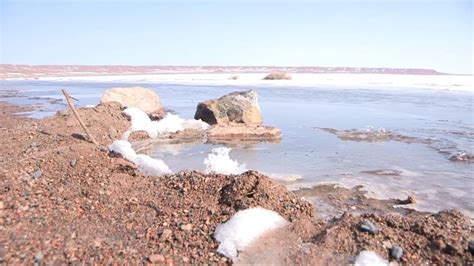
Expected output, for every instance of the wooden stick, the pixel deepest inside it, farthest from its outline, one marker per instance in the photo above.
(76, 114)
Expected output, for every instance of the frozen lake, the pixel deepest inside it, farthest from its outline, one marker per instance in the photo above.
(440, 121)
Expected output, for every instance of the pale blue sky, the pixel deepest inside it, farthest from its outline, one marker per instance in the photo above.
(415, 34)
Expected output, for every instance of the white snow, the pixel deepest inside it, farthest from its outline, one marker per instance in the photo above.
(219, 161)
(370, 258)
(245, 227)
(169, 124)
(351, 81)
(146, 164)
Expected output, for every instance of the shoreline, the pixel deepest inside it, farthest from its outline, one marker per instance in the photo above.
(101, 209)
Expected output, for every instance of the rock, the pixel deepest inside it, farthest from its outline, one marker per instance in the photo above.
(236, 107)
(369, 227)
(166, 234)
(73, 162)
(471, 247)
(187, 227)
(37, 174)
(240, 132)
(156, 258)
(145, 99)
(39, 257)
(396, 252)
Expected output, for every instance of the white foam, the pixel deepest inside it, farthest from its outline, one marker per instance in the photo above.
(219, 161)
(245, 227)
(169, 124)
(369, 258)
(147, 165)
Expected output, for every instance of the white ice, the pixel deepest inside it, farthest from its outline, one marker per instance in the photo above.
(370, 258)
(219, 161)
(245, 227)
(169, 124)
(147, 165)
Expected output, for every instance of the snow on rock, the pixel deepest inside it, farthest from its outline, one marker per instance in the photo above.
(169, 124)
(245, 227)
(370, 258)
(146, 164)
(218, 161)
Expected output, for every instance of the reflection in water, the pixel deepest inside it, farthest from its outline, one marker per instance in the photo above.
(410, 125)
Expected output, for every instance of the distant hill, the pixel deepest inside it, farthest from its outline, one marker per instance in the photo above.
(23, 71)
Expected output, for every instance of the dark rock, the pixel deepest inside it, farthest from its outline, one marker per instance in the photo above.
(396, 252)
(471, 247)
(369, 227)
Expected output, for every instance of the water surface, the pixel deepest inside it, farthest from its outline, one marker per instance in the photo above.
(442, 120)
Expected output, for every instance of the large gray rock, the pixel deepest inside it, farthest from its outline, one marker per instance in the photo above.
(236, 107)
(145, 99)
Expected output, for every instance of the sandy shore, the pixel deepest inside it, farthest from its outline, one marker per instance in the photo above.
(65, 200)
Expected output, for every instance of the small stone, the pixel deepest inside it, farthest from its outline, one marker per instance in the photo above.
(369, 227)
(166, 234)
(37, 174)
(471, 247)
(187, 227)
(73, 162)
(39, 257)
(185, 259)
(156, 258)
(396, 252)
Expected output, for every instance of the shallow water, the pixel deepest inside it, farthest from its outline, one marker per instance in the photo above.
(441, 121)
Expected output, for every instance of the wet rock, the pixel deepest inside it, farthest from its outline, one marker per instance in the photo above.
(37, 174)
(462, 157)
(244, 133)
(156, 258)
(396, 252)
(471, 247)
(145, 99)
(369, 227)
(73, 162)
(236, 107)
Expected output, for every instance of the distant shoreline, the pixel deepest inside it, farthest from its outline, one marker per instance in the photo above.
(31, 71)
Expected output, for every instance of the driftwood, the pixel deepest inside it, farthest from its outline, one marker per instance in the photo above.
(76, 114)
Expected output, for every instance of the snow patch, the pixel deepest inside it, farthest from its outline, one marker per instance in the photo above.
(243, 228)
(369, 258)
(219, 161)
(147, 165)
(169, 124)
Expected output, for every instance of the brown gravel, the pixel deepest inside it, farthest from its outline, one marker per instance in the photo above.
(99, 209)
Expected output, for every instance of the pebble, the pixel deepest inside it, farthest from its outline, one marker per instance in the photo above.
(368, 226)
(471, 247)
(166, 234)
(396, 252)
(187, 227)
(73, 162)
(156, 258)
(39, 257)
(37, 174)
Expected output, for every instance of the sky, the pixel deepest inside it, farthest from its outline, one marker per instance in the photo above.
(432, 34)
